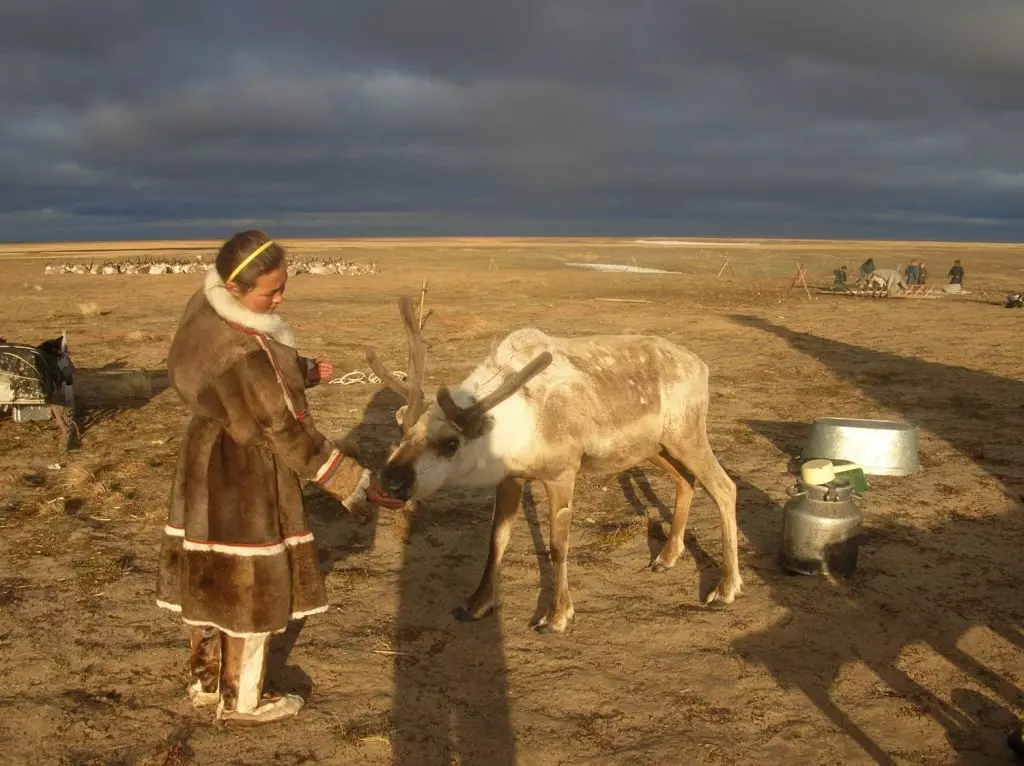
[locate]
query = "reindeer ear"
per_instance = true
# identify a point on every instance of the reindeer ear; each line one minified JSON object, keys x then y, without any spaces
{"x":401,"y":413}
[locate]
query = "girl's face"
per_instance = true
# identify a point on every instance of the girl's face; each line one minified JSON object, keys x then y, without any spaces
{"x":267,"y":294}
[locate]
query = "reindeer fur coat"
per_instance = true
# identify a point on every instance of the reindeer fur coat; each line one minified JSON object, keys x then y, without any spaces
{"x":237,"y":552}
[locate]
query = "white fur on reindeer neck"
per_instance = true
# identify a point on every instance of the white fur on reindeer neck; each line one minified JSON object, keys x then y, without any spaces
{"x":230,"y":309}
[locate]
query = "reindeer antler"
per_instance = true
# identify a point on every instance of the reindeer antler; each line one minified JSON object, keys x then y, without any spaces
{"x":469,"y":418}
{"x":412,"y":389}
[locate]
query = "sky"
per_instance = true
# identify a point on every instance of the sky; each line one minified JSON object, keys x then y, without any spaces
{"x":877,"y":119}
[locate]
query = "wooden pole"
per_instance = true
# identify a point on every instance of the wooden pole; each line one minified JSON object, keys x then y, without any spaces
{"x":423,"y":300}
{"x":793,"y":283}
{"x":798,"y":277}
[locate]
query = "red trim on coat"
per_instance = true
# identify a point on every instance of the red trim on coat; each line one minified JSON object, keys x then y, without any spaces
{"x":330,"y":470}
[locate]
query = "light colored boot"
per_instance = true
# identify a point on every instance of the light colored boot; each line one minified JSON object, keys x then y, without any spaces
{"x":272,"y":707}
{"x":241,"y":685}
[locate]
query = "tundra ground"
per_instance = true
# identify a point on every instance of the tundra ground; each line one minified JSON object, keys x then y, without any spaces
{"x":919,"y":659}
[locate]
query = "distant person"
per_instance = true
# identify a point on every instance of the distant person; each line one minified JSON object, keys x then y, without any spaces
{"x":866,"y":269}
{"x":956,"y":274}
{"x":912,"y":273}
{"x":924,"y":273}
{"x":840,"y":277}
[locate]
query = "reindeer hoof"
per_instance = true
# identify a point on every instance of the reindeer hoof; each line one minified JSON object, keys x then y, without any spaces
{"x":724,"y":594}
{"x":546,"y":626}
{"x":465,"y":614}
{"x":659,"y":567}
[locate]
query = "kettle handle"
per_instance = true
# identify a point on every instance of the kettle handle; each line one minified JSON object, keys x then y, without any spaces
{"x":795,"y":491}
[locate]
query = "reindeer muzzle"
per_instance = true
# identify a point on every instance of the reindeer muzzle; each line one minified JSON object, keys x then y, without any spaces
{"x":398,"y":481}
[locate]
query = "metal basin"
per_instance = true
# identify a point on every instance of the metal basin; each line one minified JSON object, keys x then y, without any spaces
{"x":880,"y":447}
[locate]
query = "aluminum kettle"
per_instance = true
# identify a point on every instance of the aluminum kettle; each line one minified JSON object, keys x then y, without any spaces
{"x":821,"y":529}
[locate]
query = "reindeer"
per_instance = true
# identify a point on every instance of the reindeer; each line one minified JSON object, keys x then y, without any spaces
{"x":886,"y":279}
{"x":544,"y":408}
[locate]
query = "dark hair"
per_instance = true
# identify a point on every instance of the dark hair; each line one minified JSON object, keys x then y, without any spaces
{"x":238,"y":248}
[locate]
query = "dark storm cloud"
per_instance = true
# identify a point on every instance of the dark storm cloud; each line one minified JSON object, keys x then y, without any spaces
{"x":794,"y":117}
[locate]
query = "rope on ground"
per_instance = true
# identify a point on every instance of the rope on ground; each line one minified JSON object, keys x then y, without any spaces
{"x":358,"y":377}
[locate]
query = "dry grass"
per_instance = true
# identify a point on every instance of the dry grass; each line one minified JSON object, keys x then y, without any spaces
{"x":104,"y":490}
{"x":611,"y":536}
{"x":89,"y":309}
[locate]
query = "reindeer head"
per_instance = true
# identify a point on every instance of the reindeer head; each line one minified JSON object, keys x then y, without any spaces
{"x":440,"y":439}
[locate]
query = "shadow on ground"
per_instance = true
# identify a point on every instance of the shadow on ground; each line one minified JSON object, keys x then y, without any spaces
{"x":102,"y":393}
{"x":889,"y":607}
{"x":450,"y":702}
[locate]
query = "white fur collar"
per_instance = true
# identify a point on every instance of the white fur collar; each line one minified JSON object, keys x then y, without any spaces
{"x":229,"y":309}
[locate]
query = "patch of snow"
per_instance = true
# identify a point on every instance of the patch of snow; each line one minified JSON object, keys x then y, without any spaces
{"x":620,"y":267}
{"x":692,"y":243}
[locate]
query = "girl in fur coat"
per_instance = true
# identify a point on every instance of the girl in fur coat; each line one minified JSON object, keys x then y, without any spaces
{"x":238,"y":559}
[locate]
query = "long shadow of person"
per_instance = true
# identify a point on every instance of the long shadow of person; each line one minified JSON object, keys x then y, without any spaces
{"x":889,"y":606}
{"x":451,"y":694}
{"x":451,"y":688}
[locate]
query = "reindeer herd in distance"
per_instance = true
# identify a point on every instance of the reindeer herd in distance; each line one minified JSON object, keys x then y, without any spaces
{"x":160,"y":266}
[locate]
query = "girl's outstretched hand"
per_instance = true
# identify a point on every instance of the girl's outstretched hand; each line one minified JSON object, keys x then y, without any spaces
{"x":324,"y":369}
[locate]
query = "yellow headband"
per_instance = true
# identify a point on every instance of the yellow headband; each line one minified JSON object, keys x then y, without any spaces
{"x":249,"y":259}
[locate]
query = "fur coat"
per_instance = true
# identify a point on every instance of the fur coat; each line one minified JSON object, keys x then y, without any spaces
{"x":237,"y":552}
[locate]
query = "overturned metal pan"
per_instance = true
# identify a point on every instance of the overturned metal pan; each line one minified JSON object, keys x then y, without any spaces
{"x":880,"y":447}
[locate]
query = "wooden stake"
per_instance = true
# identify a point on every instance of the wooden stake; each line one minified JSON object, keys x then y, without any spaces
{"x":798,"y":277}
{"x":726,"y":266}
{"x":423,"y":299}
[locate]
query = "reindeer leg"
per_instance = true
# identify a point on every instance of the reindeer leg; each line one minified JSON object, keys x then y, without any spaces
{"x":560,"y":495}
{"x":506,"y":503}
{"x":697,"y":456}
{"x":684,"y":496}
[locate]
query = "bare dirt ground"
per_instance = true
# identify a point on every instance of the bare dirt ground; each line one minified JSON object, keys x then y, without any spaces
{"x":919,"y":659}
